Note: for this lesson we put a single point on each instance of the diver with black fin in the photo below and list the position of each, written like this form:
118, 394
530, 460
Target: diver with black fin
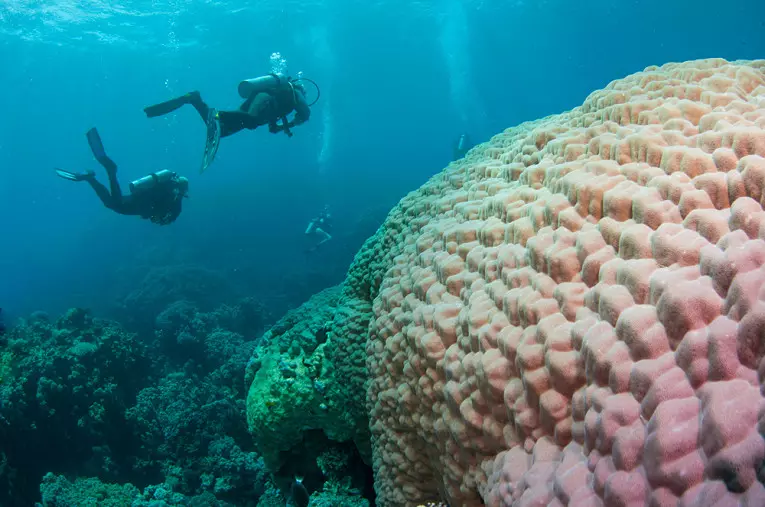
268, 101
157, 197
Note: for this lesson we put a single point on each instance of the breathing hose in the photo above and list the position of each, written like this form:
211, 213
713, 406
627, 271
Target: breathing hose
318, 90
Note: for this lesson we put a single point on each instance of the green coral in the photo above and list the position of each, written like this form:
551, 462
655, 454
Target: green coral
295, 387
337, 493
84, 396
332, 462
271, 498
57, 491
291, 387
7, 358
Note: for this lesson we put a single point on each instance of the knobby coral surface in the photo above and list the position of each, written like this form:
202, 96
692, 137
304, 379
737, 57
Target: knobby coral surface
289, 382
574, 314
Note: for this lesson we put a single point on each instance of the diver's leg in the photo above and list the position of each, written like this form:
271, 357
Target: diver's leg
101, 192
97, 147
114, 186
232, 122
325, 236
195, 99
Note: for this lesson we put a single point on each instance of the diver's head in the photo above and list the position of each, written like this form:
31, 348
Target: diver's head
183, 185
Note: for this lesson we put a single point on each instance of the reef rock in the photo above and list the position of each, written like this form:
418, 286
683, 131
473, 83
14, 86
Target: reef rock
574, 314
290, 383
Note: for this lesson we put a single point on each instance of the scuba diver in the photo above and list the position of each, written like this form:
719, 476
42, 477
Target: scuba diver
461, 147
299, 493
268, 100
320, 228
157, 197
2, 325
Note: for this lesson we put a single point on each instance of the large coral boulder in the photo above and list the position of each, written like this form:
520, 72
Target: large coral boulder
574, 314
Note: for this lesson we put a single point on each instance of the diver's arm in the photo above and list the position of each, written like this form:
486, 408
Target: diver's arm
302, 111
175, 210
274, 127
164, 205
169, 216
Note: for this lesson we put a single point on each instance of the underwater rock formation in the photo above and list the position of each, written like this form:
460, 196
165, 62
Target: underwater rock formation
293, 413
161, 286
286, 379
572, 314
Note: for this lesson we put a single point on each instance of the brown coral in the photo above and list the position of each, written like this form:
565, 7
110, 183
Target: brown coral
574, 315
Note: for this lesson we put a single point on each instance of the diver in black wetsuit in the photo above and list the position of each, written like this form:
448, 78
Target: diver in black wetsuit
269, 99
157, 197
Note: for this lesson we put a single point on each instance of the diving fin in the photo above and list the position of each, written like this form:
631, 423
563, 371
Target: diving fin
212, 141
166, 107
97, 147
68, 175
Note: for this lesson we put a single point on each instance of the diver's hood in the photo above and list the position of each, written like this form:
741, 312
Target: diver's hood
260, 84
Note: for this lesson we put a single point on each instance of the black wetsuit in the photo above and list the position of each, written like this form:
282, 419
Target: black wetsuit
161, 204
264, 108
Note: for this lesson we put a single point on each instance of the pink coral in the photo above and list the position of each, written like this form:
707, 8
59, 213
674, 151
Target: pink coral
575, 314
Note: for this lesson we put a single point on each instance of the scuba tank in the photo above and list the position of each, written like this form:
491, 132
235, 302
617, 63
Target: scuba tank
461, 147
462, 143
299, 493
261, 84
150, 181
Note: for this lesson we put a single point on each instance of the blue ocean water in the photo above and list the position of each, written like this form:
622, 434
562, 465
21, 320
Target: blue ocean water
400, 80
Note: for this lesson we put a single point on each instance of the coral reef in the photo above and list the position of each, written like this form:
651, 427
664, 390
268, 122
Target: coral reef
287, 380
292, 409
64, 388
162, 286
83, 397
58, 491
571, 314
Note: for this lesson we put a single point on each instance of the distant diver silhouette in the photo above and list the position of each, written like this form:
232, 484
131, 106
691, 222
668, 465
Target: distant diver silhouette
320, 228
461, 147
